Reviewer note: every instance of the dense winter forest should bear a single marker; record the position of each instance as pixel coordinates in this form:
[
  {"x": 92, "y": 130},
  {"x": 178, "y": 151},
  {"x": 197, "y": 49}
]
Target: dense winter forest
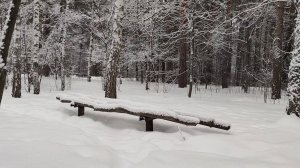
[
  {"x": 186, "y": 54},
  {"x": 228, "y": 43}
]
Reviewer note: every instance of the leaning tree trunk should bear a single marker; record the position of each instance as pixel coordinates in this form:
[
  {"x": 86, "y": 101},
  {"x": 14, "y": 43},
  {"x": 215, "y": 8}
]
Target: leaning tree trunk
[
  {"x": 276, "y": 61},
  {"x": 16, "y": 81},
  {"x": 294, "y": 73},
  {"x": 114, "y": 56},
  {"x": 5, "y": 40}
]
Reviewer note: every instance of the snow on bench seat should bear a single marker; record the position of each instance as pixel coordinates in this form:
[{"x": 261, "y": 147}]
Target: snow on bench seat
[{"x": 146, "y": 111}]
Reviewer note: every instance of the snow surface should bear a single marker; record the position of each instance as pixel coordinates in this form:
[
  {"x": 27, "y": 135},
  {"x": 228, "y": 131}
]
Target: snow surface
[{"x": 39, "y": 131}]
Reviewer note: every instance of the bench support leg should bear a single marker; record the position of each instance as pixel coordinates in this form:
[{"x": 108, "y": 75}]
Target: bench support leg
[
  {"x": 80, "y": 110},
  {"x": 149, "y": 124}
]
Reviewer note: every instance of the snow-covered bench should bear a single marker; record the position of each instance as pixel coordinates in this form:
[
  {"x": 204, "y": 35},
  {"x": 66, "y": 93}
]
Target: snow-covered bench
[{"x": 144, "y": 111}]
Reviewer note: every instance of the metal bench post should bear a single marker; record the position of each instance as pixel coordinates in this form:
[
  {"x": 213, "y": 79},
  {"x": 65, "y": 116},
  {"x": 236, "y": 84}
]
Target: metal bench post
[
  {"x": 80, "y": 110},
  {"x": 149, "y": 124}
]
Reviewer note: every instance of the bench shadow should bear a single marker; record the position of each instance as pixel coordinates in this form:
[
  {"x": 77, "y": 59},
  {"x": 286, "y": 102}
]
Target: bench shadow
[
  {"x": 125, "y": 121},
  {"x": 68, "y": 111}
]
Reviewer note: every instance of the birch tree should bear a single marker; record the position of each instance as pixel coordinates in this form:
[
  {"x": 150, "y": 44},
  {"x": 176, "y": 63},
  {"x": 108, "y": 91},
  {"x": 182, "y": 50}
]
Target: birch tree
[
  {"x": 64, "y": 12},
  {"x": 91, "y": 46},
  {"x": 116, "y": 47},
  {"x": 36, "y": 67}
]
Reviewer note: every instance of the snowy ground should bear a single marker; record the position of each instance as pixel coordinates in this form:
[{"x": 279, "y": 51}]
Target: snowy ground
[{"x": 38, "y": 131}]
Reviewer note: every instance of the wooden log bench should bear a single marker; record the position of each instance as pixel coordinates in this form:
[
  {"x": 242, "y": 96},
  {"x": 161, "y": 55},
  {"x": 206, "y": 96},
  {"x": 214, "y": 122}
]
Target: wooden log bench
[{"x": 143, "y": 111}]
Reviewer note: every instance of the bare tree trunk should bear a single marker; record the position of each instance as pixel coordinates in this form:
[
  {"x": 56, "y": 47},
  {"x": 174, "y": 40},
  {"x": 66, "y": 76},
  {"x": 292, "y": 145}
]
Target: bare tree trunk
[
  {"x": 276, "y": 61},
  {"x": 137, "y": 71},
  {"x": 163, "y": 69},
  {"x": 226, "y": 63},
  {"x": 5, "y": 41},
  {"x": 89, "y": 78},
  {"x": 16, "y": 81},
  {"x": 246, "y": 58},
  {"x": 192, "y": 49},
  {"x": 147, "y": 74},
  {"x": 114, "y": 56},
  {"x": 64, "y": 11},
  {"x": 257, "y": 52},
  {"x": 142, "y": 74},
  {"x": 289, "y": 44},
  {"x": 36, "y": 47},
  {"x": 182, "y": 77},
  {"x": 147, "y": 58},
  {"x": 27, "y": 59}
]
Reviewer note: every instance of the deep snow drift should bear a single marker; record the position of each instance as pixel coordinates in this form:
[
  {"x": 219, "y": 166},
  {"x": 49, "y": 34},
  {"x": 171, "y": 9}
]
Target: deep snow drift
[{"x": 39, "y": 131}]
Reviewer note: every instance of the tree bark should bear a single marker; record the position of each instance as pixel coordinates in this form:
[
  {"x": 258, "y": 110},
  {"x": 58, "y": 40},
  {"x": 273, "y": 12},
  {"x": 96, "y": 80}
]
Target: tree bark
[
  {"x": 36, "y": 68},
  {"x": 6, "y": 39},
  {"x": 276, "y": 61},
  {"x": 114, "y": 56},
  {"x": 192, "y": 49},
  {"x": 137, "y": 71},
  {"x": 294, "y": 73},
  {"x": 289, "y": 44},
  {"x": 89, "y": 78},
  {"x": 16, "y": 81},
  {"x": 182, "y": 77},
  {"x": 64, "y": 10},
  {"x": 226, "y": 63}
]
